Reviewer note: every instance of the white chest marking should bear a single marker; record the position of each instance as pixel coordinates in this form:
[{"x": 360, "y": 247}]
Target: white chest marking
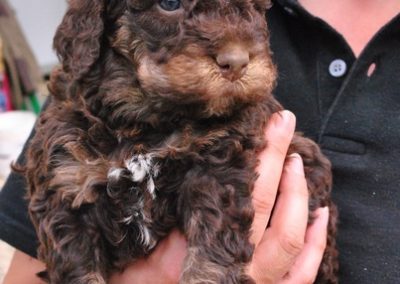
[
  {"x": 114, "y": 173},
  {"x": 142, "y": 167}
]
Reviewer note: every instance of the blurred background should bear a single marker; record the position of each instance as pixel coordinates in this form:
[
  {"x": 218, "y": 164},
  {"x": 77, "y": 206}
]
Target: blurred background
[
  {"x": 39, "y": 20},
  {"x": 26, "y": 59}
]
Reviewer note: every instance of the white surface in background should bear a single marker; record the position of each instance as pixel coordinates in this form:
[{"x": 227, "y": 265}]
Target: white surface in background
[
  {"x": 39, "y": 21},
  {"x": 15, "y": 127}
]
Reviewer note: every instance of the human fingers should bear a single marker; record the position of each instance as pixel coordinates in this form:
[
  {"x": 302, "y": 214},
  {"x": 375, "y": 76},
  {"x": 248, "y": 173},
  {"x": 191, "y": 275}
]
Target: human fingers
[
  {"x": 162, "y": 266},
  {"x": 278, "y": 135},
  {"x": 306, "y": 266},
  {"x": 168, "y": 257},
  {"x": 283, "y": 240}
]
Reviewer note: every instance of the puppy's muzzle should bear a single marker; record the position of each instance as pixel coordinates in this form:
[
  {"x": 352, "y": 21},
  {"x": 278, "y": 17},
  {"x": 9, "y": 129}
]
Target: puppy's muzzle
[{"x": 233, "y": 61}]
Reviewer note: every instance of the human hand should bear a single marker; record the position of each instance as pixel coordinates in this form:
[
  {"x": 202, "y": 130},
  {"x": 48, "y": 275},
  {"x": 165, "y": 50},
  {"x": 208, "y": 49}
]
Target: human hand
[
  {"x": 162, "y": 266},
  {"x": 287, "y": 251}
]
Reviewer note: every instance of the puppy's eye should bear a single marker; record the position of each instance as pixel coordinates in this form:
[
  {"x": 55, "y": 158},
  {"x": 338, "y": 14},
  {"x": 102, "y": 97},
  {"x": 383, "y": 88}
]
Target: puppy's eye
[{"x": 170, "y": 5}]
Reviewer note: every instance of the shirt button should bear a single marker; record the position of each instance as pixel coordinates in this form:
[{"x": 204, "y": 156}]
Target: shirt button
[{"x": 337, "y": 68}]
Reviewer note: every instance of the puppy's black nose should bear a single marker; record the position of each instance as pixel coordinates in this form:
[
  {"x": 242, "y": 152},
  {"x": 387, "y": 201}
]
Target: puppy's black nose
[{"x": 233, "y": 62}]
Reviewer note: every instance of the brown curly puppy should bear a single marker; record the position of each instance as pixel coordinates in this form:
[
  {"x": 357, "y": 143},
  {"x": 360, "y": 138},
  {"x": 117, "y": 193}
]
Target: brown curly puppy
[{"x": 155, "y": 121}]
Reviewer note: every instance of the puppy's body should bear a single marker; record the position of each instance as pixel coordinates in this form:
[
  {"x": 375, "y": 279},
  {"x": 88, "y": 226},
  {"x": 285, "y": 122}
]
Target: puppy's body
[{"x": 155, "y": 122}]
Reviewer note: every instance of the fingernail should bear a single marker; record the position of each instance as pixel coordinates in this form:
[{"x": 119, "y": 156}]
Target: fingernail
[
  {"x": 296, "y": 162},
  {"x": 285, "y": 117},
  {"x": 322, "y": 213}
]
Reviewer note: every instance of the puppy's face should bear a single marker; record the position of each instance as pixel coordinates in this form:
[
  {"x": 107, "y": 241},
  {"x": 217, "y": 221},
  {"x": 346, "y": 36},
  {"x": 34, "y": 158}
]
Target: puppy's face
[{"x": 211, "y": 52}]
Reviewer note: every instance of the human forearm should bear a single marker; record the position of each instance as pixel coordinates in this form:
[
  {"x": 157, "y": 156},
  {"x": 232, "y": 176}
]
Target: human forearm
[{"x": 23, "y": 270}]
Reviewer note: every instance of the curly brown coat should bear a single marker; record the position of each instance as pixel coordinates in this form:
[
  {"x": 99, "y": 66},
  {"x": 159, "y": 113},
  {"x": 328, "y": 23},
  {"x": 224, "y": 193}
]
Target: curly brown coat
[{"x": 152, "y": 125}]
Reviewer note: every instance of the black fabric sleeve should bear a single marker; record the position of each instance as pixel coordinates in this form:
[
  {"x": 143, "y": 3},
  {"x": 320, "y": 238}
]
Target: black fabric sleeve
[{"x": 15, "y": 225}]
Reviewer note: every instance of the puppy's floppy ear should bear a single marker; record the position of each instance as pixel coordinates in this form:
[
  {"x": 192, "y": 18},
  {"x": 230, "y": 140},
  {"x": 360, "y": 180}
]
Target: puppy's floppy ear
[{"x": 78, "y": 39}]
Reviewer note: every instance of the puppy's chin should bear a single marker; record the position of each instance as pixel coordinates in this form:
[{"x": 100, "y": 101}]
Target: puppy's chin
[{"x": 188, "y": 79}]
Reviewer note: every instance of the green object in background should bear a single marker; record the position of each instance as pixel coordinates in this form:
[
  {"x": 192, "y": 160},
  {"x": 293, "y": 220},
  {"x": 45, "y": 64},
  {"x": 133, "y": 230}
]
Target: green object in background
[{"x": 34, "y": 102}]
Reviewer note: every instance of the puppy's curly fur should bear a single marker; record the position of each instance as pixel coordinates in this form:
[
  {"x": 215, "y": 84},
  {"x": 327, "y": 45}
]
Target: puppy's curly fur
[{"x": 150, "y": 127}]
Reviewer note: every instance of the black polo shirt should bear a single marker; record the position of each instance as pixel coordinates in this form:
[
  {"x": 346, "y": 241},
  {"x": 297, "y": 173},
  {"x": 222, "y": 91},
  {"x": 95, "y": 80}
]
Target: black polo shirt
[{"x": 351, "y": 106}]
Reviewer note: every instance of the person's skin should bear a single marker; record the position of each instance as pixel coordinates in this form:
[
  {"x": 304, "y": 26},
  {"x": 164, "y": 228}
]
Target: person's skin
[
  {"x": 288, "y": 251},
  {"x": 357, "y": 20}
]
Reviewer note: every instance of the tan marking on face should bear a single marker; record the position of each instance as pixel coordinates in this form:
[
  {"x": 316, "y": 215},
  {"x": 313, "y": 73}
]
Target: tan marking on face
[{"x": 191, "y": 75}]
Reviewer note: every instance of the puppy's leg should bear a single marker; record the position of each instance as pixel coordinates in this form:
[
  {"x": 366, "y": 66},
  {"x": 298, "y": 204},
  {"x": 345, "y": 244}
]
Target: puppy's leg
[
  {"x": 71, "y": 245},
  {"x": 68, "y": 219},
  {"x": 319, "y": 180},
  {"x": 217, "y": 219}
]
